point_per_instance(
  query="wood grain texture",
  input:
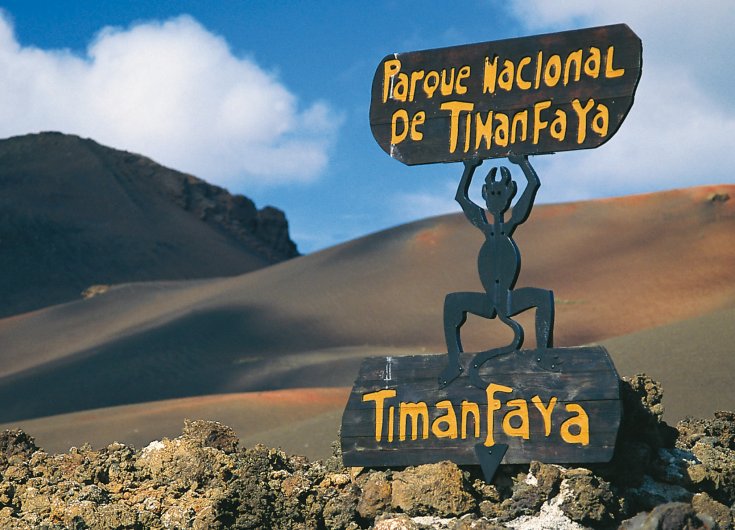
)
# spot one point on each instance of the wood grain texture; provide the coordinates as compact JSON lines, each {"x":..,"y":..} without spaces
{"x":586,"y":378}
{"x":615,"y":93}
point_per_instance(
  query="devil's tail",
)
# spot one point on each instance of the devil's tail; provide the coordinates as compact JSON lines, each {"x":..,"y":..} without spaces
{"x":482,"y":357}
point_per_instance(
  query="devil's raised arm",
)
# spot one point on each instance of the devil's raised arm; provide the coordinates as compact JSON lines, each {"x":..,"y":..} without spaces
{"x":473,"y":212}
{"x":522,"y":209}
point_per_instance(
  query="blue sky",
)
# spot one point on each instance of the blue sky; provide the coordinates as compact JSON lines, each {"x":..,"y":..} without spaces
{"x":271,"y":98}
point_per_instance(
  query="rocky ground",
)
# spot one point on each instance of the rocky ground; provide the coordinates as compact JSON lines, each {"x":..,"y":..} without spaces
{"x":661,"y":477}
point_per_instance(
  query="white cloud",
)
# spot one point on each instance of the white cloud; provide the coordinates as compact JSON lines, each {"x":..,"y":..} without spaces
{"x":680,"y":129}
{"x":172,"y":91}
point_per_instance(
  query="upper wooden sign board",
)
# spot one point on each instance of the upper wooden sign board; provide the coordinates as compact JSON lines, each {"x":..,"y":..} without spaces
{"x":531,"y":95}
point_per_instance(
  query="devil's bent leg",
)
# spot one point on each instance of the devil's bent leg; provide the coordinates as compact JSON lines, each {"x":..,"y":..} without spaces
{"x":543,"y":301}
{"x":456,"y":307}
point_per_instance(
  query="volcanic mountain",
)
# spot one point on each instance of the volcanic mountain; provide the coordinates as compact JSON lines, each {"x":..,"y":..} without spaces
{"x":74,"y":213}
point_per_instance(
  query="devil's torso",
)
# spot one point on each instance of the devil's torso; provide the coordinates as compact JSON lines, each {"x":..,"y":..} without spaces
{"x":498,"y":261}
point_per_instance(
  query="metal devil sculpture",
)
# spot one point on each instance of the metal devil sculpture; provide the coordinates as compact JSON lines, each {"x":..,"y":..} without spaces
{"x":499,"y":263}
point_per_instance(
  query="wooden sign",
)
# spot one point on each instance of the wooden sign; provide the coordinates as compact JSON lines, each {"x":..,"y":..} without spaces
{"x":531,"y":95}
{"x":397,"y":416}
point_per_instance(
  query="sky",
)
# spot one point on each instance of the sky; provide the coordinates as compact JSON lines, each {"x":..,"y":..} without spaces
{"x":271,"y":98}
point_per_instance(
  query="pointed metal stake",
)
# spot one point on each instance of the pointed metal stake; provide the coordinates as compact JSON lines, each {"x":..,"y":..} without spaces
{"x":490,"y":458}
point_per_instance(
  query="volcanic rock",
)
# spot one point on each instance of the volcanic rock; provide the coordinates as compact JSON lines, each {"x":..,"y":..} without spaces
{"x":439,"y":489}
{"x":203,"y":479}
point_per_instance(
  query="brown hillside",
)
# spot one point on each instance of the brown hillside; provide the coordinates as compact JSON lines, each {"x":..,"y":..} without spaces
{"x":617,"y":266}
{"x":74,"y":213}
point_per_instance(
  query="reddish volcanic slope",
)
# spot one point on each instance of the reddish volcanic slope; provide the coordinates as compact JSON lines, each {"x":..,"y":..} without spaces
{"x":301,"y":421}
{"x":617,"y":267}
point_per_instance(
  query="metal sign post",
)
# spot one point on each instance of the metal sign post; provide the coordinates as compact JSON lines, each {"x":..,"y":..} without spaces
{"x":511,"y":98}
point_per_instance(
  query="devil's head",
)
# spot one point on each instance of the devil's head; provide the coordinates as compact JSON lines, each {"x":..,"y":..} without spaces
{"x":498,"y":193}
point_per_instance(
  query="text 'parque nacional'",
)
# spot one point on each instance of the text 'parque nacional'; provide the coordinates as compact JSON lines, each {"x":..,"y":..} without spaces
{"x":530,"y":95}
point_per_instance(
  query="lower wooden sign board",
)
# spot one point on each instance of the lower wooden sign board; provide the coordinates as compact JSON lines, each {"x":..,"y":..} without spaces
{"x":566,"y":410}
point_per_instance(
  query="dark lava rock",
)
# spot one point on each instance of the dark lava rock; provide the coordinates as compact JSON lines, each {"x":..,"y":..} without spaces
{"x":722,"y":427}
{"x":439,"y":489}
{"x":703,"y":504}
{"x":642,"y":421}
{"x":339,"y":511}
{"x":203,"y":480}
{"x":587,"y":498}
{"x":671,"y":516}
{"x":16,"y":442}
{"x":527,"y":499}
{"x":710,"y":441}
{"x":548,"y":477}
{"x":376,"y":494}
{"x":211,"y":434}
